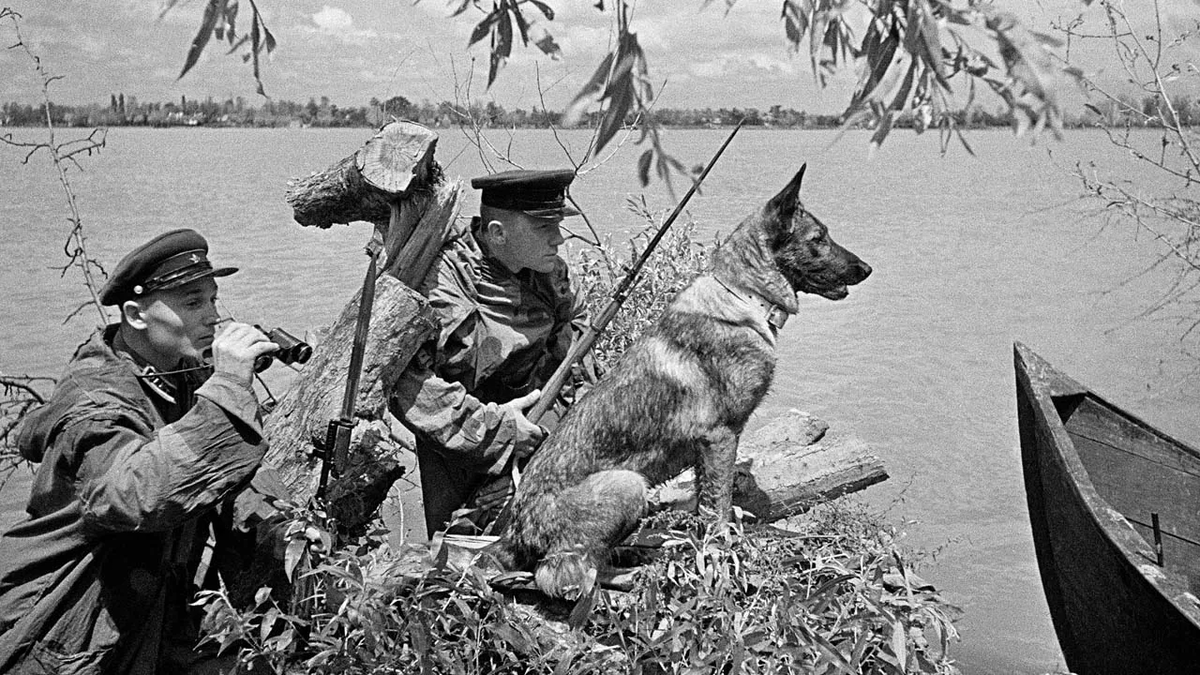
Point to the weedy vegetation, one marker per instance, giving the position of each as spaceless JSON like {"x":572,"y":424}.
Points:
{"x":833,"y":593}
{"x":672,"y":266}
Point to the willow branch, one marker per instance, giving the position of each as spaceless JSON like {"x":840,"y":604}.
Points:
{"x":60,"y":154}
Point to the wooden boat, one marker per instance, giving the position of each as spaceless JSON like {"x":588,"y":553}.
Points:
{"x":1115,"y":510}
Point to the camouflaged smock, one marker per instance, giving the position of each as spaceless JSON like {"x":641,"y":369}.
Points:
{"x":503,"y":335}
{"x":99,"y":577}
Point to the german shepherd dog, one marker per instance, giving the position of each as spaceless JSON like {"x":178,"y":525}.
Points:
{"x":678,"y":398}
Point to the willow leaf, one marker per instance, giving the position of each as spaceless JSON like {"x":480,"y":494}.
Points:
{"x":621,"y":102}
{"x":643,"y":166}
{"x":501,"y":48}
{"x":522,"y":25}
{"x":589,"y":92}
{"x":483,"y":27}
{"x":213,"y":10}
{"x":547,"y":10}
{"x":231,"y":12}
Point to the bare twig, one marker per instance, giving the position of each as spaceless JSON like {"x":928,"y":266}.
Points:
{"x":18,"y":395}
{"x":1169,"y":215}
{"x":75,"y":247}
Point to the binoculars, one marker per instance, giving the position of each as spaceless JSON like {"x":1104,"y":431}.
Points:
{"x":291,"y":349}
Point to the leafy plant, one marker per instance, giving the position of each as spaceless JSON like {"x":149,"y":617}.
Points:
{"x":910,"y":51}
{"x":498,"y":26}
{"x":672,"y":266}
{"x":833,"y":594}
{"x":220,"y":21}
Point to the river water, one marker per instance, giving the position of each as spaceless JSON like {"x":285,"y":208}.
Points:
{"x":970,"y":254}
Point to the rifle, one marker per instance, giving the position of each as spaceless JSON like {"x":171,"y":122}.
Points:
{"x":581,"y":346}
{"x":334,"y":451}
{"x":585,"y":341}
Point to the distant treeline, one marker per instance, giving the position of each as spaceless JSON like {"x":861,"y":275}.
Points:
{"x":125,"y":110}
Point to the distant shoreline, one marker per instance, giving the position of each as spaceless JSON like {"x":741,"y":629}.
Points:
{"x":681,"y":127}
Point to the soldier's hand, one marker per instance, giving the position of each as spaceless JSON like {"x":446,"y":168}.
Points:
{"x":532,"y":433}
{"x":525,"y":402}
{"x":235,"y":348}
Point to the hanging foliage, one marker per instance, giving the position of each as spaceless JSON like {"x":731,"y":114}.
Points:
{"x":913,"y":57}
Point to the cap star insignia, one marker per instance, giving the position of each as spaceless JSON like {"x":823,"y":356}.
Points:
{"x":195,"y":258}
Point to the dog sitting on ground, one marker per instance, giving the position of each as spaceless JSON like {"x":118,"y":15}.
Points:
{"x":678,"y":398}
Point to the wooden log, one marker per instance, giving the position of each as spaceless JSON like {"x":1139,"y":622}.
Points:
{"x":394,"y":182}
{"x":786,"y":467}
{"x":418,"y":231}
{"x":364,"y":186}
{"x":401,"y":322}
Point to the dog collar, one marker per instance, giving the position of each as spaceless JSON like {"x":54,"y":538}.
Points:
{"x":776,"y":315}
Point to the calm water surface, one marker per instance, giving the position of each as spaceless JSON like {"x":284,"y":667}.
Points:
{"x":970,"y":254}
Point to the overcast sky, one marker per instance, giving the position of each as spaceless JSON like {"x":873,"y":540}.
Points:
{"x":354,"y":50}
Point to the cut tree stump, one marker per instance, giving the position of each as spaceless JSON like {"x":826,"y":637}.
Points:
{"x":393,"y":182}
{"x":364,"y":186}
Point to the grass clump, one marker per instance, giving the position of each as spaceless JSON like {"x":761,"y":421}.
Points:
{"x":833,"y":594}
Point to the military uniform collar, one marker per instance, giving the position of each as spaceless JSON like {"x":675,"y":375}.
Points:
{"x":155,"y":382}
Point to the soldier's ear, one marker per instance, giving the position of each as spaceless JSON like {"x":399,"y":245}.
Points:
{"x":133,"y":314}
{"x":495,"y":231}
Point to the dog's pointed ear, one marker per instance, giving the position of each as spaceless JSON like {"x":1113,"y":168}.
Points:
{"x":784,"y":204}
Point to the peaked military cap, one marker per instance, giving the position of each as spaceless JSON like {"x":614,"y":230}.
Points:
{"x":541,"y":194}
{"x":169,"y":260}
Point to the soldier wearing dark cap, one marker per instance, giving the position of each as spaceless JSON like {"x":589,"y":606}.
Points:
{"x":144,"y":450}
{"x":508,"y":315}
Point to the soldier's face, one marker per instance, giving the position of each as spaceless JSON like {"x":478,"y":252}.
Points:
{"x":179,"y":322}
{"x":530,"y":242}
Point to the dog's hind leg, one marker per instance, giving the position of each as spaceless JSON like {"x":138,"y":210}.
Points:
{"x":715,"y":473}
{"x":590,"y":518}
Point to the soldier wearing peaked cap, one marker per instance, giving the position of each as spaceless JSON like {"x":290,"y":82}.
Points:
{"x":508,"y":313}
{"x":144,"y":450}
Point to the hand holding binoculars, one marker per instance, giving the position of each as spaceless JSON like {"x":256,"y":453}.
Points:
{"x":291,"y":349}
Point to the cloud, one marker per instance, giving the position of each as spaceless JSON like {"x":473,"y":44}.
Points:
{"x":747,"y":65}
{"x":337,"y":23}
{"x":333,"y":20}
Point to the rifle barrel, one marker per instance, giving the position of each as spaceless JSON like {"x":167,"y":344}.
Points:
{"x":585,"y":341}
{"x":337,"y":434}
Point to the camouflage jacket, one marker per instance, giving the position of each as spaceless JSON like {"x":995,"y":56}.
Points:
{"x":503,"y":334}
{"x":99,"y":577}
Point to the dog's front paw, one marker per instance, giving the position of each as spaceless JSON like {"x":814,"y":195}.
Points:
{"x":566,"y":574}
